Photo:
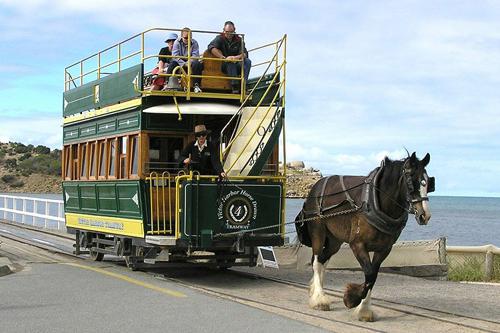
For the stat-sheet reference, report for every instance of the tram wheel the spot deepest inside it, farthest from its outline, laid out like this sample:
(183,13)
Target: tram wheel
(224,263)
(96,256)
(131,262)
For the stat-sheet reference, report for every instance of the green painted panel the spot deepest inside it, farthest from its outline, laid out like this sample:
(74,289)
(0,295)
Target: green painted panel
(107,127)
(127,121)
(71,134)
(71,196)
(88,197)
(243,207)
(128,198)
(108,198)
(88,131)
(109,90)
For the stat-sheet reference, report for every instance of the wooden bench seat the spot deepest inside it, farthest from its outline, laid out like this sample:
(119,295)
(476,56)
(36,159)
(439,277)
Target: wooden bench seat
(213,67)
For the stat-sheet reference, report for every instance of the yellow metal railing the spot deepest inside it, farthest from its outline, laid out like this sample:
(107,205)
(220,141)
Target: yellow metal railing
(140,52)
(280,68)
(161,203)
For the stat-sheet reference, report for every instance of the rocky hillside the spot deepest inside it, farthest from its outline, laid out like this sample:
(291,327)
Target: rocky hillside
(29,169)
(300,179)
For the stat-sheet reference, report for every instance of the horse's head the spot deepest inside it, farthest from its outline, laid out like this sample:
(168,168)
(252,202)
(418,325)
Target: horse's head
(418,185)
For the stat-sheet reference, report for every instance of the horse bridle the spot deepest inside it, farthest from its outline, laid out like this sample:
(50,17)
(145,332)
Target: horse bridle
(430,183)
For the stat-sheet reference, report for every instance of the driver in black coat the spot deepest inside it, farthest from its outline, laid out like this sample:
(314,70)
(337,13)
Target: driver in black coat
(201,155)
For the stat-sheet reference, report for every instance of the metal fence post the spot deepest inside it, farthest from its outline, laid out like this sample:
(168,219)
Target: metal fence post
(23,216)
(488,266)
(46,214)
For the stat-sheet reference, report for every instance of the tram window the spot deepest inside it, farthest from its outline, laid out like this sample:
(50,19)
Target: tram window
(92,160)
(67,164)
(103,159)
(112,158)
(74,164)
(164,152)
(123,157)
(83,173)
(134,154)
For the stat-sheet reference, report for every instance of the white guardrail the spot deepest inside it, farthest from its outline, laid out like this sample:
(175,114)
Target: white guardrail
(34,211)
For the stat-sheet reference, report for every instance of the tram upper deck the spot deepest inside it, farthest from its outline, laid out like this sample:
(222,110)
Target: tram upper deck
(119,77)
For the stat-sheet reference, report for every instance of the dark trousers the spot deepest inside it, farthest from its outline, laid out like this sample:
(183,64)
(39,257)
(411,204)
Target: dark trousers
(234,69)
(196,69)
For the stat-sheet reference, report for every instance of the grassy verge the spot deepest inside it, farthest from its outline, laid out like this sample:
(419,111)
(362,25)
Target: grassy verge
(472,269)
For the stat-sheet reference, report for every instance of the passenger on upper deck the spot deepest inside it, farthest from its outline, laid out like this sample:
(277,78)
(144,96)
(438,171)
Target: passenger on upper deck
(180,48)
(201,155)
(230,46)
(159,82)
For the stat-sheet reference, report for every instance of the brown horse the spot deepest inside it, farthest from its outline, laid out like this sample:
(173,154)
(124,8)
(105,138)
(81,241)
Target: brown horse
(369,214)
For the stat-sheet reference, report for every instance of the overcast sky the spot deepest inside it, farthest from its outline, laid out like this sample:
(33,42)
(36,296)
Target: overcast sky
(365,79)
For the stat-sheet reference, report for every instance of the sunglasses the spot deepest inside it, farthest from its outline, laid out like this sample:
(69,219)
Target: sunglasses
(200,134)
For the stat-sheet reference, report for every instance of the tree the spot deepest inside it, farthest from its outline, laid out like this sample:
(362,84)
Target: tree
(42,150)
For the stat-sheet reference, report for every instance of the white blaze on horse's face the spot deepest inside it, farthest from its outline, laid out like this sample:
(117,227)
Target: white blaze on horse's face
(423,211)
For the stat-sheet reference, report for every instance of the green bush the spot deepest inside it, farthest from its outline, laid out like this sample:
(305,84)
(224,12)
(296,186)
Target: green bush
(41,150)
(17,183)
(20,148)
(9,179)
(10,163)
(43,164)
(25,156)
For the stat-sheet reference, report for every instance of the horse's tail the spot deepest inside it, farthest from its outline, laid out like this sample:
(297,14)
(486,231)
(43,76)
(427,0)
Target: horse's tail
(302,230)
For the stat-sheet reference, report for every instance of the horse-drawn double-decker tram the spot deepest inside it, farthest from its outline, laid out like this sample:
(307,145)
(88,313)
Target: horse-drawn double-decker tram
(125,192)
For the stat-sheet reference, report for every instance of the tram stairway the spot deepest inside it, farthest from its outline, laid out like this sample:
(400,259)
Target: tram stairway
(253,140)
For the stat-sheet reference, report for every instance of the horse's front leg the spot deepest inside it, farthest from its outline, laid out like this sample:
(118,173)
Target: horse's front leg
(321,254)
(360,294)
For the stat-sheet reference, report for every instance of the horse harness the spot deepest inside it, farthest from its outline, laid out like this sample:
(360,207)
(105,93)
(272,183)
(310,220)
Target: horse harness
(369,205)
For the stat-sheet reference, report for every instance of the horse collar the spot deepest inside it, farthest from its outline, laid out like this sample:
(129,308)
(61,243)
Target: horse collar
(371,206)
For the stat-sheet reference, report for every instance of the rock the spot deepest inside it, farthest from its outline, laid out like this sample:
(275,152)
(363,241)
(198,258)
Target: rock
(296,165)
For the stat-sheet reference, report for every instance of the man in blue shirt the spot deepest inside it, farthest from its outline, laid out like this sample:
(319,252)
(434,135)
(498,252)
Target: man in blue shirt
(230,46)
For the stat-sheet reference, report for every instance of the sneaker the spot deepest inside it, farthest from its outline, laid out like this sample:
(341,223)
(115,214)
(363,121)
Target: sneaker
(196,88)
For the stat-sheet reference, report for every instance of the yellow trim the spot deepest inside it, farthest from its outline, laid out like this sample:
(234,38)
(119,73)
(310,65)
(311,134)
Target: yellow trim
(129,280)
(99,112)
(106,224)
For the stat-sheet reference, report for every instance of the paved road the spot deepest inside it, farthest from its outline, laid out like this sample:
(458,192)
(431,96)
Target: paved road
(88,292)
(50,293)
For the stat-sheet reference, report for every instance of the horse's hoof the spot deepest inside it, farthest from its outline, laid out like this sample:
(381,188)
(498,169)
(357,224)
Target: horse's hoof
(367,316)
(322,303)
(322,307)
(364,310)
(352,295)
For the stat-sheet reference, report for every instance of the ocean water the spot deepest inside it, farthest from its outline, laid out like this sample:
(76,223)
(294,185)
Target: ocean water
(467,221)
(464,221)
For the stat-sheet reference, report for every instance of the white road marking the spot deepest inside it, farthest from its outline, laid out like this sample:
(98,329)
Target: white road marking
(6,231)
(42,241)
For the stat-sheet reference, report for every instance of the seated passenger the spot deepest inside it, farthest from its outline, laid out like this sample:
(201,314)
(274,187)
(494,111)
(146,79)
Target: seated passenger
(230,46)
(180,48)
(161,67)
(201,155)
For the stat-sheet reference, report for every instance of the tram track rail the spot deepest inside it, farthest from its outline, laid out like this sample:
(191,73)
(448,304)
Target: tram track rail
(317,318)
(408,309)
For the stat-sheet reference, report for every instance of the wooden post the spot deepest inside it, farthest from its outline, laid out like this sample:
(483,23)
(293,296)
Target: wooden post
(488,266)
